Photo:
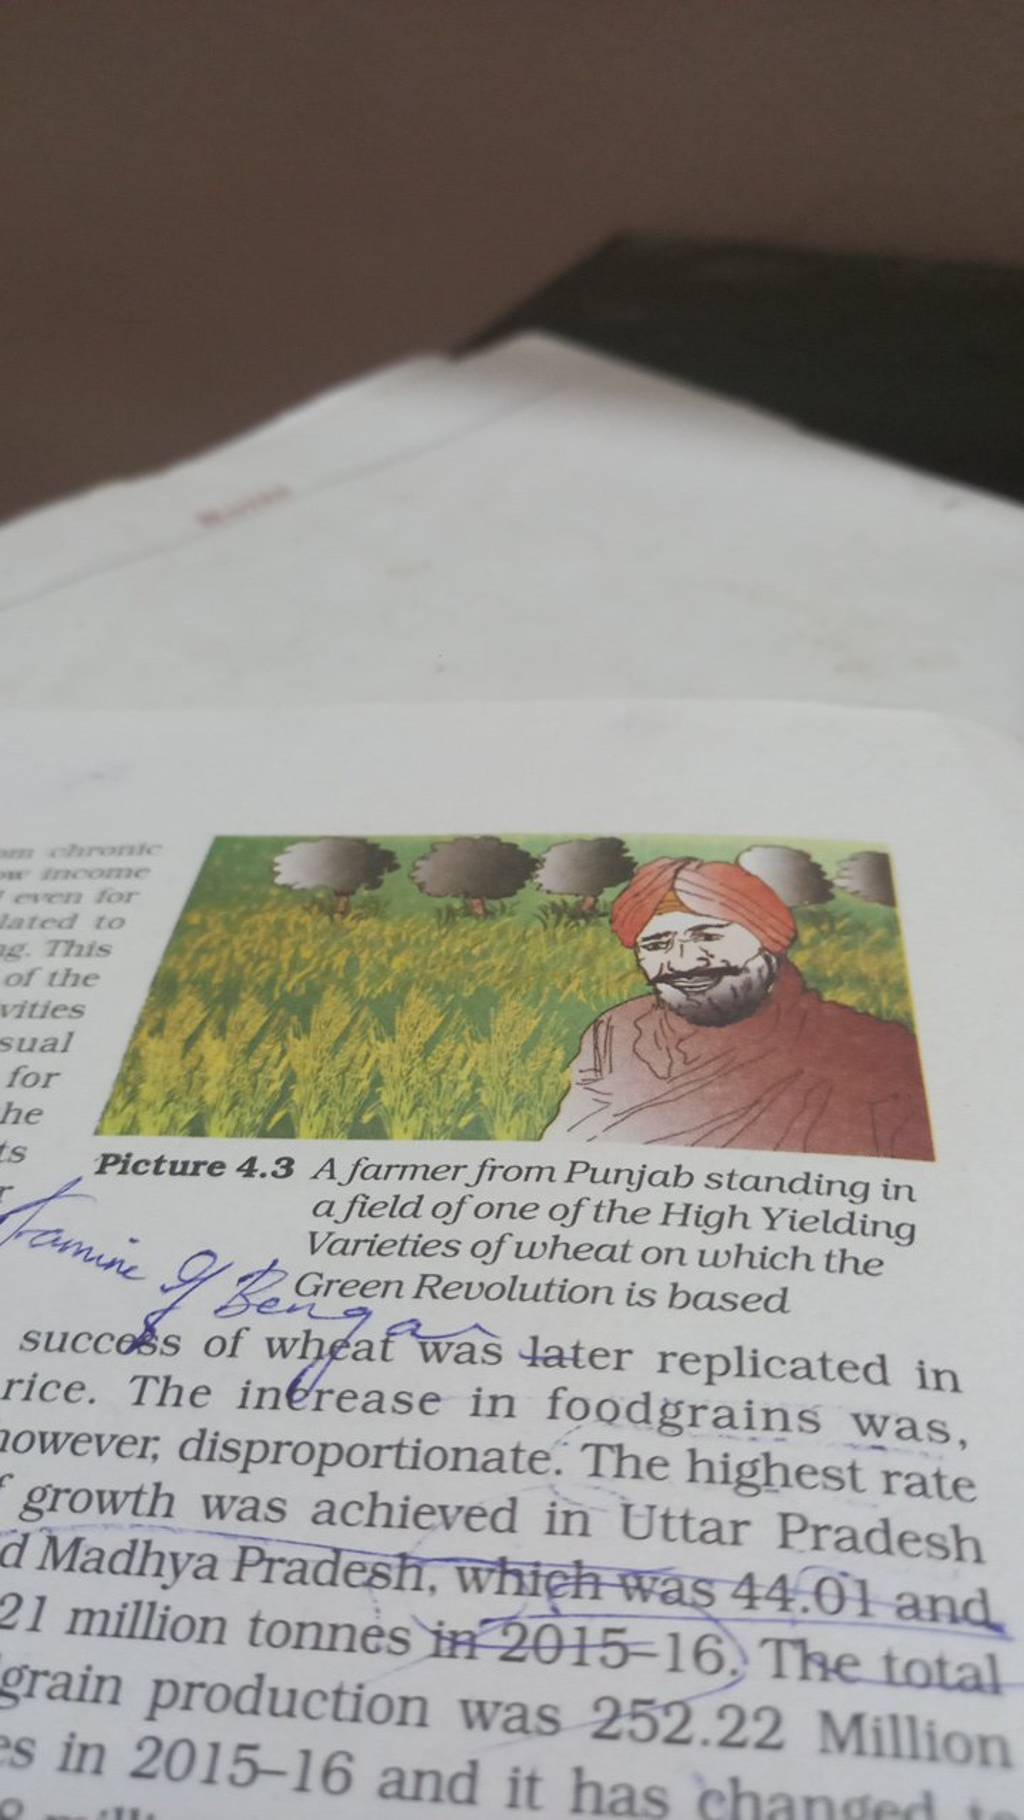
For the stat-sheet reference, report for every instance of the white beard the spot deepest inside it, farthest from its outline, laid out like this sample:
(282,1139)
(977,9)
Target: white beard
(734,997)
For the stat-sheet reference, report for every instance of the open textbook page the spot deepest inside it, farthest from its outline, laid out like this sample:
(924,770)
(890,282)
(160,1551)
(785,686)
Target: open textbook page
(510,1260)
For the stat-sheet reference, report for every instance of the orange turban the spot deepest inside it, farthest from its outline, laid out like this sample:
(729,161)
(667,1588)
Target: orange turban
(713,886)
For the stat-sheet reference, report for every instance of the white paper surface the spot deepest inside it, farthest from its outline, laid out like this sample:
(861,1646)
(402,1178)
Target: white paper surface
(532,522)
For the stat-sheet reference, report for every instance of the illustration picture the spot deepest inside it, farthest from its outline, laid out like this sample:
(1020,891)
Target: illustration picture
(729,992)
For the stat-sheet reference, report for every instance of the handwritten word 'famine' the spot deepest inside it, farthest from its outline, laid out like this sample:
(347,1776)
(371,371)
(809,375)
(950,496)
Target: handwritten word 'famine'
(251,1292)
(28,1225)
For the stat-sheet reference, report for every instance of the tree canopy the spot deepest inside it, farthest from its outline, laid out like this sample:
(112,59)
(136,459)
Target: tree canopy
(343,864)
(791,872)
(585,868)
(868,875)
(475,867)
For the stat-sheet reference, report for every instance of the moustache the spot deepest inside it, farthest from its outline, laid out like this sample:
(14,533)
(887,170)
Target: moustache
(695,975)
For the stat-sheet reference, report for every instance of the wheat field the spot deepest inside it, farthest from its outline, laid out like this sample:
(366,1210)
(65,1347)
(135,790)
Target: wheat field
(270,1017)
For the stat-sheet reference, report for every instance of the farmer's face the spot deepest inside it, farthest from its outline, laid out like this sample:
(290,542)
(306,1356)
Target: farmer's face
(710,971)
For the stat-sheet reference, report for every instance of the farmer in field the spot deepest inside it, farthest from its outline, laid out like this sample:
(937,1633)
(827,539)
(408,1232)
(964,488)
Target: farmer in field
(731,1049)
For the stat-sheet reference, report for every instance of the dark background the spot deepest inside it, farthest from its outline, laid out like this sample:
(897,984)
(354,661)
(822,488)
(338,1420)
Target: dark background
(211,209)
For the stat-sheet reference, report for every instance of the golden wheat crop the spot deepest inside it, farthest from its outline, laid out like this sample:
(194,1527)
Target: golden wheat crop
(280,1020)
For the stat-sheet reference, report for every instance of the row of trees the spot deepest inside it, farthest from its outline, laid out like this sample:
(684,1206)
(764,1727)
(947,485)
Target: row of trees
(480,870)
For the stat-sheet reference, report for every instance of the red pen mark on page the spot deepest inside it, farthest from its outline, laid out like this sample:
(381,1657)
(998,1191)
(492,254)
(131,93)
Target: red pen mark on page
(212,516)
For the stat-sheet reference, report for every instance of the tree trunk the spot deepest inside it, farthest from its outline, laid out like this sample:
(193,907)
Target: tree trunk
(477,906)
(342,903)
(588,906)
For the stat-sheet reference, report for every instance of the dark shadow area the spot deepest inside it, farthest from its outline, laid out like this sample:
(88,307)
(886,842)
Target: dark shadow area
(918,361)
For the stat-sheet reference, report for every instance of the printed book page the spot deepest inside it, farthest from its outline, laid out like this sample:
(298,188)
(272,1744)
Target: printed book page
(510,1259)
